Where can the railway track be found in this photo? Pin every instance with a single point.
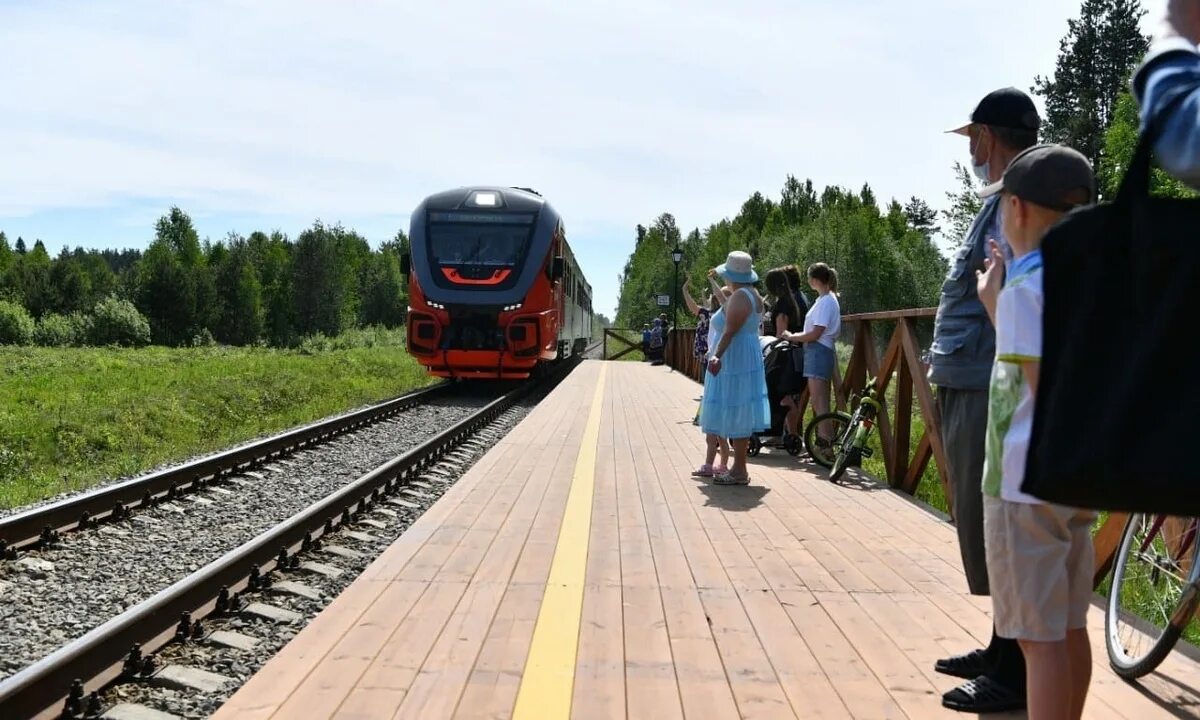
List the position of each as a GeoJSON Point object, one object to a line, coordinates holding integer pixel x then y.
{"type": "Point", "coordinates": [43, 526]}
{"type": "Point", "coordinates": [67, 682]}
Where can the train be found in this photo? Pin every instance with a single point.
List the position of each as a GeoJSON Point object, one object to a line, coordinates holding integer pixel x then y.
{"type": "Point", "coordinates": [494, 290]}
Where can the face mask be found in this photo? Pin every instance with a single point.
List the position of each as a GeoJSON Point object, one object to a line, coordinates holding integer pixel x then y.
{"type": "Point", "coordinates": [982, 171]}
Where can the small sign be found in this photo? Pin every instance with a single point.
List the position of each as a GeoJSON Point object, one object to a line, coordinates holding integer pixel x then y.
{"type": "Point", "coordinates": [664, 301]}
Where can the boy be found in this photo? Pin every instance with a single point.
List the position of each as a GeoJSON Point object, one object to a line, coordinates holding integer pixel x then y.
{"type": "Point", "coordinates": [1039, 556]}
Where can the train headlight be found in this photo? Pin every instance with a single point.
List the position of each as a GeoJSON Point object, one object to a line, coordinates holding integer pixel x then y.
{"type": "Point", "coordinates": [485, 199]}
{"type": "Point", "coordinates": [510, 308]}
{"type": "Point", "coordinates": [435, 305]}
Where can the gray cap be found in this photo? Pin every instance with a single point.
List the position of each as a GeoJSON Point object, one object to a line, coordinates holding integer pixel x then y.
{"type": "Point", "coordinates": [1052, 176]}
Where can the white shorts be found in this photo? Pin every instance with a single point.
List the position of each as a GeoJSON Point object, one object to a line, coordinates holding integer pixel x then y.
{"type": "Point", "coordinates": [1040, 565]}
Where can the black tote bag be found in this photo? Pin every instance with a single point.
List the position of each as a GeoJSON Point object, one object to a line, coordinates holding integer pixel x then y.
{"type": "Point", "coordinates": [1117, 417]}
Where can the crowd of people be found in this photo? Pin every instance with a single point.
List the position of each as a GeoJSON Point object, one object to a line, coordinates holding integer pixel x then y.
{"type": "Point", "coordinates": [1035, 559]}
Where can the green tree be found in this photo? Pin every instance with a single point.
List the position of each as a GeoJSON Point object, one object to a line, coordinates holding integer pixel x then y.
{"type": "Point", "coordinates": [20, 245]}
{"type": "Point", "coordinates": [175, 288]}
{"type": "Point", "coordinates": [325, 280]}
{"type": "Point", "coordinates": [383, 301]}
{"type": "Point", "coordinates": [273, 260]}
{"type": "Point", "coordinates": [921, 217]}
{"type": "Point", "coordinates": [70, 285]}
{"type": "Point", "coordinates": [1120, 142]}
{"type": "Point", "coordinates": [1100, 49]}
{"type": "Point", "coordinates": [241, 314]}
{"type": "Point", "coordinates": [964, 205]}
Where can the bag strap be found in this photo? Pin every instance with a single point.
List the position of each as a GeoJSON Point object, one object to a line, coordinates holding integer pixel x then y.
{"type": "Point", "coordinates": [1136, 182]}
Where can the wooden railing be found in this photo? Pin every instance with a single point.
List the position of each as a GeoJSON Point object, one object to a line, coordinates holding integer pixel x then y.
{"type": "Point", "coordinates": [902, 363]}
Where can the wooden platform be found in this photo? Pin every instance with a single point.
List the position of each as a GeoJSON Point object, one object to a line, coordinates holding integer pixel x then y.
{"type": "Point", "coordinates": [668, 598]}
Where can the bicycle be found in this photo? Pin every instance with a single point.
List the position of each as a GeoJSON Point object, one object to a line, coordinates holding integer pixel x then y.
{"type": "Point", "coordinates": [1155, 591]}
{"type": "Point", "coordinates": [848, 445]}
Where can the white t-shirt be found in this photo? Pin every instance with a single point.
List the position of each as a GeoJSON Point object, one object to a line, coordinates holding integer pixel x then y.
{"type": "Point", "coordinates": [1010, 402]}
{"type": "Point", "coordinates": [825, 311]}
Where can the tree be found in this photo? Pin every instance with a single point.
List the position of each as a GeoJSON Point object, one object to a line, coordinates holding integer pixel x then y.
{"type": "Point", "coordinates": [324, 280]}
{"type": "Point", "coordinates": [383, 301]}
{"type": "Point", "coordinates": [70, 286]}
{"type": "Point", "coordinates": [964, 205]}
{"type": "Point", "coordinates": [921, 217]}
{"type": "Point", "coordinates": [20, 245]}
{"type": "Point", "coordinates": [240, 321]}
{"type": "Point", "coordinates": [1100, 49]}
{"type": "Point", "coordinates": [1120, 142]}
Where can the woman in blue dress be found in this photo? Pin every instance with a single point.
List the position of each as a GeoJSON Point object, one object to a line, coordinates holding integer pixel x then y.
{"type": "Point", "coordinates": [735, 394]}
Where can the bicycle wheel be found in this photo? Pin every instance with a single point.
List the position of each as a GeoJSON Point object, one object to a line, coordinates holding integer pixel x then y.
{"type": "Point", "coordinates": [845, 455]}
{"type": "Point", "coordinates": [1152, 598]}
{"type": "Point", "coordinates": [835, 425]}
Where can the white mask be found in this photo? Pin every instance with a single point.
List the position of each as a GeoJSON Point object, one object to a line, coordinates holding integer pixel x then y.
{"type": "Point", "coordinates": [983, 172]}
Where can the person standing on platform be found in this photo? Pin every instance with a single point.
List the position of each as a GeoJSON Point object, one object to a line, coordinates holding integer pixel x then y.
{"type": "Point", "coordinates": [735, 397]}
{"type": "Point", "coordinates": [1004, 123]}
{"type": "Point", "coordinates": [1171, 72]}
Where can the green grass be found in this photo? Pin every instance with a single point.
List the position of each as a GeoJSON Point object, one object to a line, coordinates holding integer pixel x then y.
{"type": "Point", "coordinates": [616, 346]}
{"type": "Point", "coordinates": [72, 417]}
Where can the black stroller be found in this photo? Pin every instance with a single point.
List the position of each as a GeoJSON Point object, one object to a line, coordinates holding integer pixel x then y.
{"type": "Point", "coordinates": [784, 364]}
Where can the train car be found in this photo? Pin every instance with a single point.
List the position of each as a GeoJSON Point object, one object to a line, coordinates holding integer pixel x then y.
{"type": "Point", "coordinates": [494, 289]}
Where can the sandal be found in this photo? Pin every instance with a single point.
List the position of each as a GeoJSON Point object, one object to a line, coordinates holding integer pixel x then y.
{"type": "Point", "coordinates": [730, 479]}
{"type": "Point", "coordinates": [705, 471]}
{"type": "Point", "coordinates": [983, 695]}
{"type": "Point", "coordinates": [968, 666]}
{"type": "Point", "coordinates": [720, 470]}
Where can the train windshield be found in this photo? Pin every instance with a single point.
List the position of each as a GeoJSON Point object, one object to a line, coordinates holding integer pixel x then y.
{"type": "Point", "coordinates": [477, 241]}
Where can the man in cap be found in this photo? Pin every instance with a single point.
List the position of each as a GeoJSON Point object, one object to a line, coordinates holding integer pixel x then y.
{"type": "Point", "coordinates": [1004, 123]}
{"type": "Point", "coordinates": [1171, 71]}
{"type": "Point", "coordinates": [1040, 556]}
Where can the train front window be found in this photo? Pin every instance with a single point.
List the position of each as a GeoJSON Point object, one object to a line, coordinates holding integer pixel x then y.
{"type": "Point", "coordinates": [477, 246]}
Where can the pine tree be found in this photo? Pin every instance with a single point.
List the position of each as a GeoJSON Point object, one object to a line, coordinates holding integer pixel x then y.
{"type": "Point", "coordinates": [1095, 59]}
{"type": "Point", "coordinates": [964, 205]}
{"type": "Point", "coordinates": [921, 217]}
{"type": "Point", "coordinates": [20, 245]}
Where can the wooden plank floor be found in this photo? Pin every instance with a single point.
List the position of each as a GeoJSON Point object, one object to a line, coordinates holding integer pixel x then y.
{"type": "Point", "coordinates": [792, 597]}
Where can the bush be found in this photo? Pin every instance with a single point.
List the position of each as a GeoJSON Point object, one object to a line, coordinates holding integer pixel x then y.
{"type": "Point", "coordinates": [16, 326]}
{"type": "Point", "coordinates": [56, 331]}
{"type": "Point", "coordinates": [118, 322]}
{"type": "Point", "coordinates": [204, 338]}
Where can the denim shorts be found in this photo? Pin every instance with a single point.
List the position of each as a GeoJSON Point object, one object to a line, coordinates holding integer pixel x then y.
{"type": "Point", "coordinates": [818, 361]}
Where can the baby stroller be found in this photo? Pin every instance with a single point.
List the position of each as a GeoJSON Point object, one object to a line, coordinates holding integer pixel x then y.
{"type": "Point", "coordinates": [782, 361]}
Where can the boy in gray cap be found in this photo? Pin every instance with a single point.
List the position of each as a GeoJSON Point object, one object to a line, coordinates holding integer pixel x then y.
{"type": "Point", "coordinates": [1039, 555]}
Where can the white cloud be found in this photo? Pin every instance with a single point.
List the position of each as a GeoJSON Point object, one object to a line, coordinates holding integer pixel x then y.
{"type": "Point", "coordinates": [617, 111]}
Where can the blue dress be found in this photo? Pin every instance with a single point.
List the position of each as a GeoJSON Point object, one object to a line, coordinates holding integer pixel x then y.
{"type": "Point", "coordinates": [735, 404]}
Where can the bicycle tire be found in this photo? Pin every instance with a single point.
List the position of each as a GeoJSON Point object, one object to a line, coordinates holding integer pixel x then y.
{"type": "Point", "coordinates": [839, 466]}
{"type": "Point", "coordinates": [1122, 662]}
{"type": "Point", "coordinates": [818, 454]}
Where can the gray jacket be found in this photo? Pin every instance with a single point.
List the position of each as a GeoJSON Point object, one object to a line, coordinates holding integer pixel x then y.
{"type": "Point", "coordinates": [964, 341]}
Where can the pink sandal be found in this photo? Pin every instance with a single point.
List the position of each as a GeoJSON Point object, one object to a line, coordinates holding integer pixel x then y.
{"type": "Point", "coordinates": [705, 471]}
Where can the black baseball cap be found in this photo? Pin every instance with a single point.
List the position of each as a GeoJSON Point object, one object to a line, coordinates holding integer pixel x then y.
{"type": "Point", "coordinates": [1006, 108]}
{"type": "Point", "coordinates": [1052, 176]}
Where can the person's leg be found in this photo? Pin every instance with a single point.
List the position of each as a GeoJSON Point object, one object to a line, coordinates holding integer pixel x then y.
{"type": "Point", "coordinates": [964, 424]}
{"type": "Point", "coordinates": [991, 685]}
{"type": "Point", "coordinates": [1048, 679]}
{"type": "Point", "coordinates": [712, 441]}
{"type": "Point", "coordinates": [740, 448]}
{"type": "Point", "coordinates": [1079, 650]}
{"type": "Point", "coordinates": [818, 390]}
{"type": "Point", "coordinates": [723, 444]}
{"type": "Point", "coordinates": [1081, 562]}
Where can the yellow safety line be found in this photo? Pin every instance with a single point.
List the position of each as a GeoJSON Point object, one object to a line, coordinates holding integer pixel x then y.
{"type": "Point", "coordinates": [548, 681]}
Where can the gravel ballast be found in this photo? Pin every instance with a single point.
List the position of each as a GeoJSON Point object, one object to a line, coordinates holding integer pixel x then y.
{"type": "Point", "coordinates": [58, 594]}
{"type": "Point", "coordinates": [349, 549]}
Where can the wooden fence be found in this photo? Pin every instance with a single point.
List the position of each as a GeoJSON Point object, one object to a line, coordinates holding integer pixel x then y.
{"type": "Point", "coordinates": [903, 364]}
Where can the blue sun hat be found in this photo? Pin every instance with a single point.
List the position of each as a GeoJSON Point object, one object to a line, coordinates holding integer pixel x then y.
{"type": "Point", "coordinates": [738, 268]}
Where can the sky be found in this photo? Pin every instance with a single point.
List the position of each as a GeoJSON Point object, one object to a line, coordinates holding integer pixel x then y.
{"type": "Point", "coordinates": [266, 114]}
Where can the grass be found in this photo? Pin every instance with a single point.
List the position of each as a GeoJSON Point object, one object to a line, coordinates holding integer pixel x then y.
{"type": "Point", "coordinates": [70, 418]}
{"type": "Point", "coordinates": [616, 346]}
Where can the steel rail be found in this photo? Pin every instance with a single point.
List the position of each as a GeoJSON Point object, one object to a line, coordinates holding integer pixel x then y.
{"type": "Point", "coordinates": [115, 649]}
{"type": "Point", "coordinates": [113, 502]}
